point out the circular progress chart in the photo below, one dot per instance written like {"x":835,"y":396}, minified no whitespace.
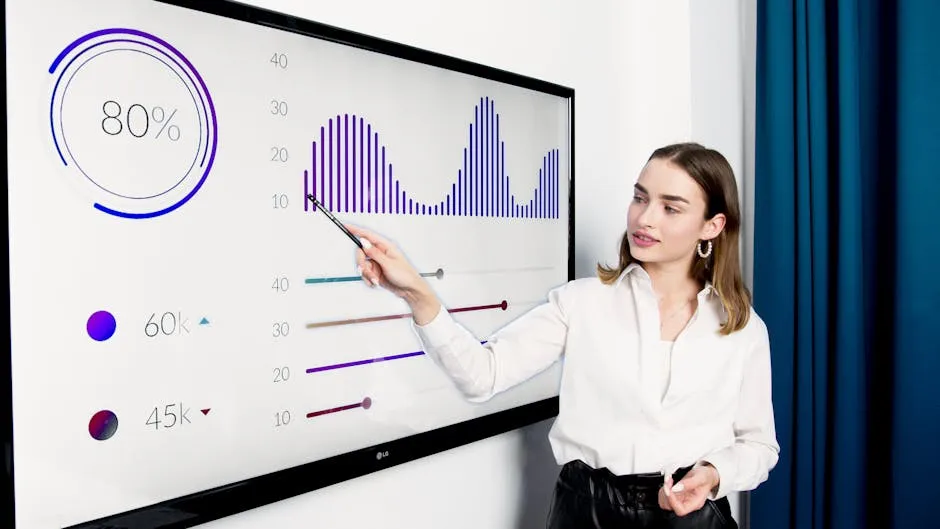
{"x":133,"y":121}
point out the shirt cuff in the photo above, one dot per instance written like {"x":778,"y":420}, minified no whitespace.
{"x":723,"y":462}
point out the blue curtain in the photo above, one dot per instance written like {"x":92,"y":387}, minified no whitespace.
{"x":846,"y":260}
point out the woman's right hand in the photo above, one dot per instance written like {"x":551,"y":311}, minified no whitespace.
{"x":382,"y":264}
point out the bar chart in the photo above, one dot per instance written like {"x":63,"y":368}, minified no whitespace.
{"x":352,"y":173}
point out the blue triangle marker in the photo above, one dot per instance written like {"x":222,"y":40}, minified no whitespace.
{"x":204,"y":322}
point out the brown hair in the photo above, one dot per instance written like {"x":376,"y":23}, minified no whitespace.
{"x":722,"y":268}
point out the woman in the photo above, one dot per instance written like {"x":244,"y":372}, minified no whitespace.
{"x":665,"y":398}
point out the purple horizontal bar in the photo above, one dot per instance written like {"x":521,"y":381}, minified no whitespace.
{"x":363,"y":362}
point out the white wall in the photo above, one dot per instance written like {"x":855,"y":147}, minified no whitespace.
{"x":645,"y":74}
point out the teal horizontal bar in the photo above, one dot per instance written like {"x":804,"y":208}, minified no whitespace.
{"x":344,"y":279}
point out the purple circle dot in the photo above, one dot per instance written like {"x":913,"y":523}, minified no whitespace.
{"x":366,"y":403}
{"x":103,"y":425}
{"x":101,"y":325}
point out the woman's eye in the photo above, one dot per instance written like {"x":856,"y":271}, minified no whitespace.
{"x":638,"y":199}
{"x":670,"y":209}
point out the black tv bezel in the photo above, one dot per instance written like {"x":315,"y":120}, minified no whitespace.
{"x":241,"y":496}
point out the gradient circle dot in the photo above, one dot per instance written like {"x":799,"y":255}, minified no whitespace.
{"x":101,"y":325}
{"x":103,"y":425}
{"x":367,"y":403}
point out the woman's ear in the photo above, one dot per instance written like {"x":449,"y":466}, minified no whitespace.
{"x":713,"y":227}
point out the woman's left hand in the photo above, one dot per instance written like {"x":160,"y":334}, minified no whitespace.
{"x":688,"y":495}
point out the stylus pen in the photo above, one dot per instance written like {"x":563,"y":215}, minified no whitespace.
{"x":336,"y":221}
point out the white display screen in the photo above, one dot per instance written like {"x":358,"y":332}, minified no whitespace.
{"x":180,"y":316}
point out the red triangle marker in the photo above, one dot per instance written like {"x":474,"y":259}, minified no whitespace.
{"x":205,"y":411}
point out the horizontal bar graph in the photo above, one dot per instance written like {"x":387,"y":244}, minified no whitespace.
{"x":350,"y":172}
{"x":365,"y":404}
{"x":502,"y":305}
{"x":364,"y":362}
{"x":439,"y":274}
{"x":367,"y":361}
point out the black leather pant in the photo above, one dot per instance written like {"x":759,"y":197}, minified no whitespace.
{"x":598,"y":499}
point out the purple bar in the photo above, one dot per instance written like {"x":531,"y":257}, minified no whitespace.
{"x":435,"y":209}
{"x":322,"y":167}
{"x":491,"y":164}
{"x":383,"y":184}
{"x":368,"y":172}
{"x":314,"y":174}
{"x":388,"y":194}
{"x":374,"y":186}
{"x":485,"y":173}
{"x":500,"y":190}
{"x":471,"y":174}
{"x":397,"y":197}
{"x":363,"y":362}
{"x":502,"y":170}
{"x":555,"y":183}
{"x":544,"y":202}
{"x":538,"y":198}
{"x":346,"y":162}
{"x":337,"y":186}
{"x":551,"y":185}
{"x":354,"y":165}
{"x":329,"y":204}
{"x":362,"y":168}
{"x":463,"y":185}
{"x":410,"y":207}
{"x":448,"y":204}
{"x":306,"y":191}
{"x":478,"y":174}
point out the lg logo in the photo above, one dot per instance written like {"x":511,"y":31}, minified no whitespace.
{"x":380,"y":455}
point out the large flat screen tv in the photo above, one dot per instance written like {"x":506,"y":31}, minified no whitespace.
{"x":189,"y":337}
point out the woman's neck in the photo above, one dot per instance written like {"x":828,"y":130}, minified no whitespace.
{"x":672,"y":281}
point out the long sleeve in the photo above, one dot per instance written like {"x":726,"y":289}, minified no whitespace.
{"x":516,"y":352}
{"x":747,"y":463}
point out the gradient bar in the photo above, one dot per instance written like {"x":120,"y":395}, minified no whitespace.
{"x":363,"y":362}
{"x":365,"y":404}
{"x":503,"y":305}
{"x":439,"y":274}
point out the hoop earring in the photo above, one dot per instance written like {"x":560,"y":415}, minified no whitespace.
{"x":706,"y":253}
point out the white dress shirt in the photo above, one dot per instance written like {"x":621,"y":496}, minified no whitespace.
{"x":617,"y":408}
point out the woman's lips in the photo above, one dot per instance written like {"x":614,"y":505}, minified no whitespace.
{"x":643,"y":241}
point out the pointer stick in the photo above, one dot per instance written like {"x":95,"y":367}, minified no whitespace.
{"x":338,"y":223}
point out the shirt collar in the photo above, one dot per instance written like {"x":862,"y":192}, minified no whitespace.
{"x":708,"y":291}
